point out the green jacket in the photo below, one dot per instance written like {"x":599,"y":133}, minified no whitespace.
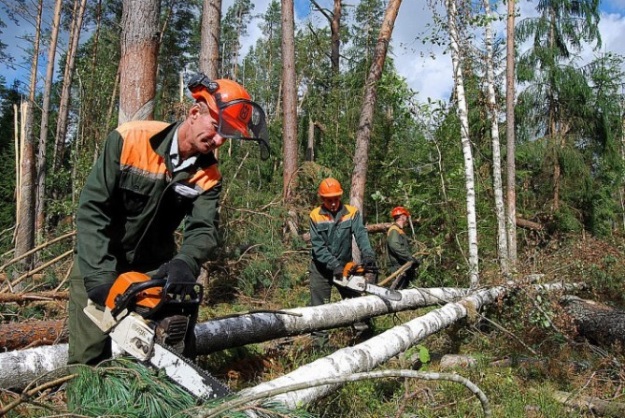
{"x":398,"y":247}
{"x":131,"y":206}
{"x":331,"y":236}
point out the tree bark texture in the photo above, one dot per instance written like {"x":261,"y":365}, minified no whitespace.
{"x":510,"y":138}
{"x":16,"y":335}
{"x":363,"y":136}
{"x":596,"y":406}
{"x":600,"y":324}
{"x":375,"y":351}
{"x":245,"y":329}
{"x":289,"y":94}
{"x":463,"y":116}
{"x":139,"y":51}
{"x":210,"y":59}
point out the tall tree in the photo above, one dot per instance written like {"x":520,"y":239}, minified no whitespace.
{"x":289,"y":94}
{"x":363,"y":136}
{"x":463,"y":112}
{"x":45,"y":114}
{"x":560,"y":31}
{"x":510,"y":139}
{"x":493,"y":109}
{"x":139,"y":52}
{"x":234,"y":27}
{"x":210,"y":59}
{"x":25,"y":228}
{"x":78,"y":13}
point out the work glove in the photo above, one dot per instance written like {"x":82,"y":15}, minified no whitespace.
{"x":416,"y":261}
{"x":99,"y":293}
{"x":175,"y":271}
{"x":338,"y":272}
{"x":369,"y":262}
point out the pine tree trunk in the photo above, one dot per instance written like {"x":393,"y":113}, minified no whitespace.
{"x":289,"y":93}
{"x":40,"y":211}
{"x":210,"y":60}
{"x":138,"y":62}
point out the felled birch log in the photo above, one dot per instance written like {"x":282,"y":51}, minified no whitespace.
{"x":239,"y":330}
{"x":379,"y":349}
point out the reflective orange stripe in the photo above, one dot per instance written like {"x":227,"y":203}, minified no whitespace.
{"x":318,"y":217}
{"x":137,"y":153}
{"x":206,"y":179}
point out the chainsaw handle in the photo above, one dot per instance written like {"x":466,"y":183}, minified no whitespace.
{"x":172,"y":293}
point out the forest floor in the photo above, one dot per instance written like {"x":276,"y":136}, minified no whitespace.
{"x":526,"y":348}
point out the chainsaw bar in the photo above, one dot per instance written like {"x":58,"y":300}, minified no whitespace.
{"x":186,"y":374}
{"x":383,"y":292}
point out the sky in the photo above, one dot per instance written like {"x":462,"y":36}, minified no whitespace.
{"x":426,"y":68}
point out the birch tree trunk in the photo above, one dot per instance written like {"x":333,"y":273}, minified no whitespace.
{"x":373,"y":352}
{"x":25,"y":228}
{"x":502,"y":240}
{"x":379,"y":349}
{"x":210,"y":60}
{"x":510,"y":139}
{"x":18,"y":368}
{"x":139,"y":51}
{"x":40,"y":214}
{"x":463,"y":115}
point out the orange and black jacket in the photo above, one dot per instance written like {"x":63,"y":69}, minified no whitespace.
{"x":331,"y":236}
{"x":132,"y":204}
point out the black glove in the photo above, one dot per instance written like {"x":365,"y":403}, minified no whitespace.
{"x":99,"y":293}
{"x":369,"y":262}
{"x":416,"y":261}
{"x":175,"y":271}
{"x":338,"y":272}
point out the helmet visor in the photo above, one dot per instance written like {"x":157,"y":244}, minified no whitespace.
{"x":252,"y":128}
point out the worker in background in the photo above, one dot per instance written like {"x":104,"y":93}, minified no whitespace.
{"x":332,"y":226}
{"x":398,"y":248}
{"x":150,"y":177}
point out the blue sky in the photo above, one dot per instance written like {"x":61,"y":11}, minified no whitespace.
{"x":426,"y":68}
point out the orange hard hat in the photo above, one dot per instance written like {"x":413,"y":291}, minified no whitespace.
{"x":330,"y":187}
{"x":226,"y":99}
{"x":399,"y":210}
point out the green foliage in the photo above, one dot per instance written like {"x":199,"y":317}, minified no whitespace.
{"x":126,"y":388}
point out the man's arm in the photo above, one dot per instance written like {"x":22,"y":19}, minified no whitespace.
{"x":320,"y":248}
{"x":93,"y":218}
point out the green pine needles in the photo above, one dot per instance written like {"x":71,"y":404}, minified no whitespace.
{"x":125,"y":388}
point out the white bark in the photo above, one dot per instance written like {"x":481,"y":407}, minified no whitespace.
{"x":18,"y":368}
{"x":463,"y":115}
{"x":224,"y":333}
{"x":502,"y":239}
{"x":379,"y":349}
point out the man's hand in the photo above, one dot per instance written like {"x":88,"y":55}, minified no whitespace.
{"x":338,"y":272}
{"x":99,"y":293}
{"x":369,"y":262}
{"x":416,"y":261}
{"x":175,"y":271}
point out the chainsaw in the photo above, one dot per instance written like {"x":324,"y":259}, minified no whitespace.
{"x":362,"y":279}
{"x":149,"y":319}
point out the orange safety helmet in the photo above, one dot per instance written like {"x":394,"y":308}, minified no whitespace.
{"x":230,"y":104}
{"x":330,"y":187}
{"x":399,"y":210}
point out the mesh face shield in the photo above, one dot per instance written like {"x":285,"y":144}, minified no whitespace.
{"x":249,"y":125}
